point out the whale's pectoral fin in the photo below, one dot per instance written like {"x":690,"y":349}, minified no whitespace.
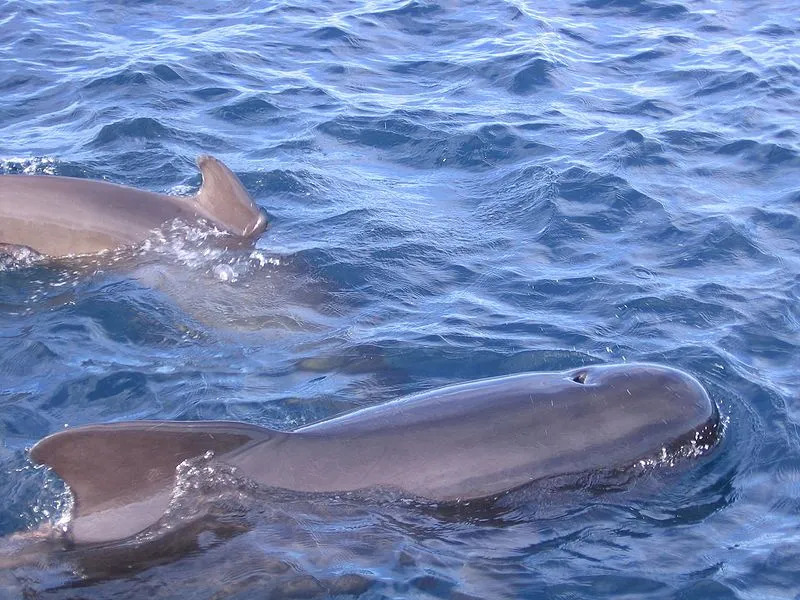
{"x":122,"y":474}
{"x":225,"y":200}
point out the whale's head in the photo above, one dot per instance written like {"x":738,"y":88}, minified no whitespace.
{"x":651,"y":400}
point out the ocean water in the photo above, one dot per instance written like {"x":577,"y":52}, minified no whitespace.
{"x":456,"y":189}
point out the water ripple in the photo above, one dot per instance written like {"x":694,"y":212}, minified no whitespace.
{"x":455,"y":190}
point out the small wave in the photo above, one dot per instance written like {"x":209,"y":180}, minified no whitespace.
{"x":213,"y":93}
{"x":719,"y":83}
{"x":248,"y":109}
{"x":482,"y":147}
{"x":758,"y":152}
{"x":166,"y":73}
{"x":632,"y":149}
{"x":520,"y":73}
{"x":332,"y":33}
{"x":776,"y":30}
{"x":592,"y":189}
{"x":136,"y":128}
{"x":124,"y":78}
{"x":649,"y":9}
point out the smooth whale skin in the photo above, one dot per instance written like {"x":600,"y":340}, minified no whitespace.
{"x":467,"y":441}
{"x":61,"y":216}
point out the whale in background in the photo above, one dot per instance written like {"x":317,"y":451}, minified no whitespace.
{"x":62,"y":216}
{"x":467,"y":441}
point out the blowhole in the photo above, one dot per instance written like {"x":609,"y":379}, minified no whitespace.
{"x":580,"y":377}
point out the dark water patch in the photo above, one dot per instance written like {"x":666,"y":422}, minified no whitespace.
{"x":712,"y":28}
{"x":412,"y":144}
{"x":337,"y":34}
{"x":19,"y":419}
{"x":144,"y":128}
{"x":607,"y":202}
{"x":266,"y":185}
{"x":297,"y":145}
{"x":779,"y":222}
{"x":679,"y":309}
{"x":722,"y":293}
{"x":649,"y":9}
{"x":722,"y":243}
{"x":521,"y":73}
{"x":125,"y":78}
{"x":232,"y":64}
{"x":414,"y":18}
{"x":248,"y":109}
{"x":692,"y":140}
{"x":681,"y":40}
{"x":536,"y":125}
{"x":18,"y":82}
{"x":144,"y":322}
{"x":776,"y":30}
{"x":523,"y":198}
{"x":534,"y":75}
{"x":432,"y":69}
{"x":27,"y":358}
{"x":306,"y":97}
{"x":214,"y":93}
{"x":573,"y":35}
{"x":99,"y":396}
{"x":646,"y":55}
{"x":380,"y":133}
{"x":736,"y":80}
{"x":763,"y":154}
{"x":166,"y":73}
{"x":774,"y":345}
{"x":631,"y":149}
{"x":438,"y":587}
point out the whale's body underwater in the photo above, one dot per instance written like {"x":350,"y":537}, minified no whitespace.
{"x":467,"y":441}
{"x":61,"y":216}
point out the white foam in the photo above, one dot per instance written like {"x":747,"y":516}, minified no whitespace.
{"x":37,"y":165}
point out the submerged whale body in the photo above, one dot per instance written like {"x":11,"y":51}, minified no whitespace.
{"x":61,"y":216}
{"x":467,"y":441}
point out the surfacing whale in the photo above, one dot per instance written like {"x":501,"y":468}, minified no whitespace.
{"x":62,"y":216}
{"x":467,"y":441}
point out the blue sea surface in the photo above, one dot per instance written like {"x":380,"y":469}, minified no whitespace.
{"x":456,"y":190}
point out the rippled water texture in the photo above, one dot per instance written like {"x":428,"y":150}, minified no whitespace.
{"x":456,"y":190}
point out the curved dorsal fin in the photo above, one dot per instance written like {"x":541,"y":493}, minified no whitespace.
{"x":122,"y":474}
{"x":224,"y":200}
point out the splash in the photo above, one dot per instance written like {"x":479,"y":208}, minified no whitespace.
{"x":18,"y":257}
{"x":37,"y":165}
{"x":204,"y":488}
{"x":698,"y":445}
{"x":52,"y":511}
{"x":203,"y":247}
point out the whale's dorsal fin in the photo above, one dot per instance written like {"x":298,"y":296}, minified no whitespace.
{"x":122,"y":474}
{"x":224,"y":200}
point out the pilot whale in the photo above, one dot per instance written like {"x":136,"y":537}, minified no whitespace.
{"x":61,"y":216}
{"x":466,"y":441}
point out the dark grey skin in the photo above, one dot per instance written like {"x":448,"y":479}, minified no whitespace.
{"x":467,"y":441}
{"x":64,"y":216}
